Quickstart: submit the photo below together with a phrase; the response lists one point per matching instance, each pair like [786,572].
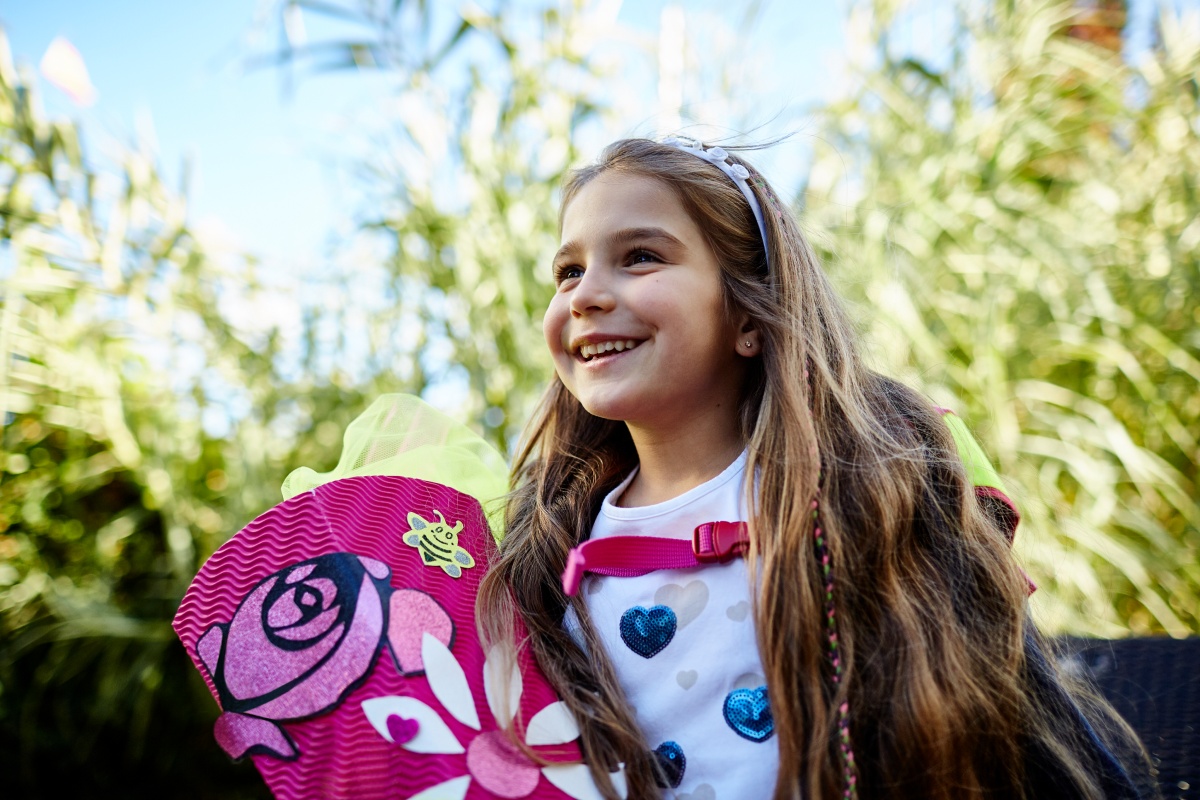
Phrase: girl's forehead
[623,200]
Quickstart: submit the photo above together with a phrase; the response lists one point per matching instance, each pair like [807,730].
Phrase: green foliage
[111,491]
[465,203]
[1019,220]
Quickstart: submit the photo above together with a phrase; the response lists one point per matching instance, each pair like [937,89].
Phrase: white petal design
[554,724]
[575,780]
[619,782]
[448,681]
[453,789]
[493,677]
[433,735]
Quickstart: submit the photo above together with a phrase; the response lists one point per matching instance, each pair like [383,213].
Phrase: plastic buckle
[718,542]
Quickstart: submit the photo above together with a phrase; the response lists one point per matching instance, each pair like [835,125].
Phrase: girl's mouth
[588,352]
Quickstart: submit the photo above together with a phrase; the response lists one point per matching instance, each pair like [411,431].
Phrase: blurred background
[226,227]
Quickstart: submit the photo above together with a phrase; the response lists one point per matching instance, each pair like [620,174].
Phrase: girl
[874,639]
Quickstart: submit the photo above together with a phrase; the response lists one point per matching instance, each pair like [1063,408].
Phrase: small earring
[749,344]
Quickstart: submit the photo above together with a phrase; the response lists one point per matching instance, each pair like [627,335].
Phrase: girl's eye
[567,272]
[642,257]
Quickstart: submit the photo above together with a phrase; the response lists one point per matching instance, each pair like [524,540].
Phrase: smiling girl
[710,402]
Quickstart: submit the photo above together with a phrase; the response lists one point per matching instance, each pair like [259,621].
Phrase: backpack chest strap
[630,556]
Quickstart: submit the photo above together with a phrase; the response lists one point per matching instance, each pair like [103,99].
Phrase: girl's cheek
[552,327]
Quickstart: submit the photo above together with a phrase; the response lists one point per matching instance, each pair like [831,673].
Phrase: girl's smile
[637,327]
[598,350]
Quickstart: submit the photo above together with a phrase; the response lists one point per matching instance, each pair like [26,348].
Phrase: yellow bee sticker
[438,544]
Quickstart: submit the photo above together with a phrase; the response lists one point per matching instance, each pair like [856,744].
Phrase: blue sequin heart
[748,712]
[647,632]
[673,763]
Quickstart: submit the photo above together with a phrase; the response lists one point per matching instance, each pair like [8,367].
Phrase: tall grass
[1018,217]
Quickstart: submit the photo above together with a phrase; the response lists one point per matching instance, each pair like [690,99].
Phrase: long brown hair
[930,604]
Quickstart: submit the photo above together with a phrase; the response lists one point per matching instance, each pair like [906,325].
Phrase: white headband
[736,172]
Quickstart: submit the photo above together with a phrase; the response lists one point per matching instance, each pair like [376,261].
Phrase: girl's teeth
[590,351]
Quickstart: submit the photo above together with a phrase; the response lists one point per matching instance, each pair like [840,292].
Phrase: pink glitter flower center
[500,767]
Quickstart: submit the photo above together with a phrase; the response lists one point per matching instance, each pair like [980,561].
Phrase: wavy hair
[930,603]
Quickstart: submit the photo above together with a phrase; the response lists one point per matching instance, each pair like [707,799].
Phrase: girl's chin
[605,411]
[615,408]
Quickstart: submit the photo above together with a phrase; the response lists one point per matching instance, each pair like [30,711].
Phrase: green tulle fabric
[979,470]
[402,435]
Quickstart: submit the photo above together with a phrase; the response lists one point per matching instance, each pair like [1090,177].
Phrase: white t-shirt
[683,645]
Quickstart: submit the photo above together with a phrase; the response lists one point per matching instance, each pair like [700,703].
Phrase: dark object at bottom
[1154,683]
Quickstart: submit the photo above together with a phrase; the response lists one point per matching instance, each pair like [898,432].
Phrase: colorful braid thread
[850,788]
[850,772]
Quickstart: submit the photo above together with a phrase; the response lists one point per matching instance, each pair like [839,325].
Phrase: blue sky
[176,68]
[268,167]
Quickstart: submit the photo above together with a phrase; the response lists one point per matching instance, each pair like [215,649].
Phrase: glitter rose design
[300,641]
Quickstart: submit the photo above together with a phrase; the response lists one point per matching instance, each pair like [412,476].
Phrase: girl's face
[637,326]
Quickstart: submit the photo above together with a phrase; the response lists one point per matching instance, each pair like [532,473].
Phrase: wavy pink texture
[340,754]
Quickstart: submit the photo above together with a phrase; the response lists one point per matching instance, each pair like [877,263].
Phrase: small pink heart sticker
[402,730]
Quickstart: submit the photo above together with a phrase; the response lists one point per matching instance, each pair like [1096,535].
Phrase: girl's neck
[670,465]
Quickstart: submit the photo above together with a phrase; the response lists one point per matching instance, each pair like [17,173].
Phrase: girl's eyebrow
[623,237]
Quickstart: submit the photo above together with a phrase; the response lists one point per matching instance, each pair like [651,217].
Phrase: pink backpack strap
[630,556]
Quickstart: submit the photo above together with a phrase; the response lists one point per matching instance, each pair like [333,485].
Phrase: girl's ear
[749,342]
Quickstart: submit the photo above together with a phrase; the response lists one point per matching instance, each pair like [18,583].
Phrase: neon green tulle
[402,435]
[979,470]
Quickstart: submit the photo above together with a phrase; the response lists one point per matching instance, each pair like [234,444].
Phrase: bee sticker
[438,544]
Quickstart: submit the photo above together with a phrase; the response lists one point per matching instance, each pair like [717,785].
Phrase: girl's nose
[593,293]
